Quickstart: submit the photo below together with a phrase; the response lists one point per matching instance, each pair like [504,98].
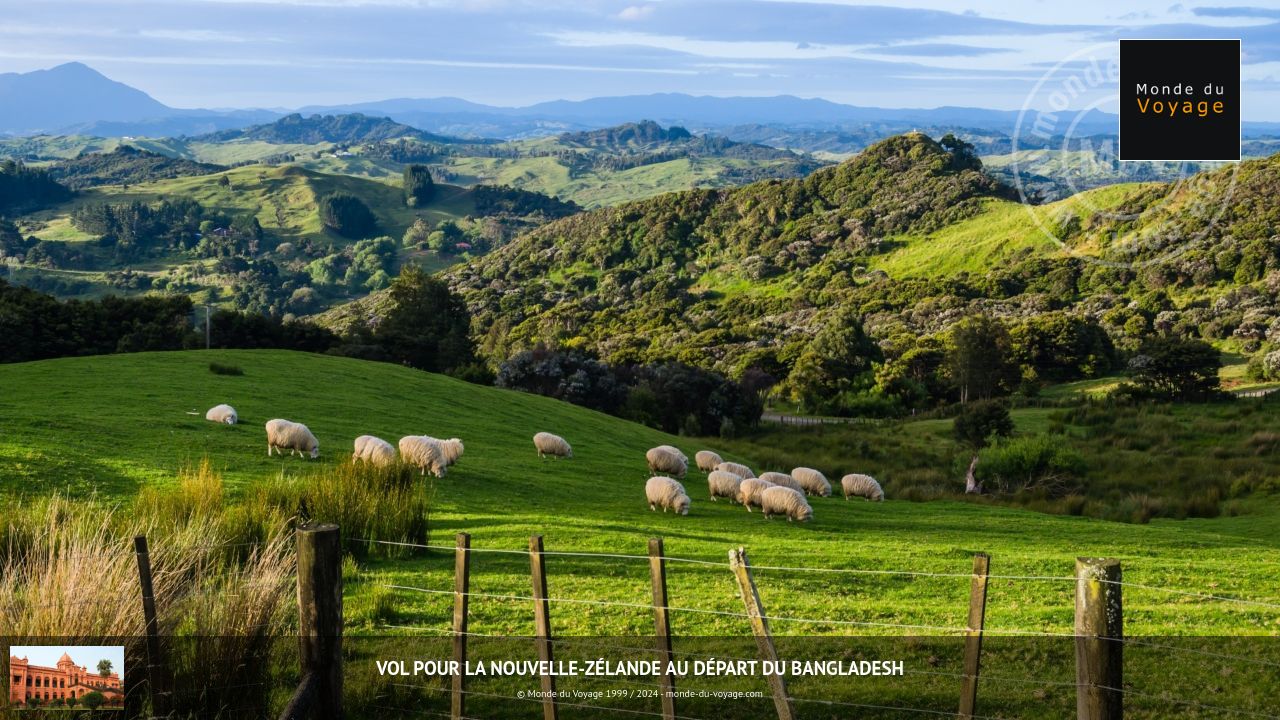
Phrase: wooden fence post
[973,636]
[760,627]
[320,618]
[542,626]
[1099,640]
[155,662]
[461,588]
[662,627]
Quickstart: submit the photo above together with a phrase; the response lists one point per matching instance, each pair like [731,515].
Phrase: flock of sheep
[775,493]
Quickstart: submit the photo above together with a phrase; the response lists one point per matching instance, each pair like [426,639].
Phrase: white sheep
[666,493]
[749,492]
[783,479]
[863,486]
[677,451]
[222,414]
[723,484]
[707,460]
[738,469]
[785,501]
[553,445]
[424,453]
[813,482]
[373,450]
[452,450]
[295,437]
[666,459]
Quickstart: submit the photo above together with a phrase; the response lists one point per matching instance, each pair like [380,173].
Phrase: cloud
[937,50]
[635,12]
[1238,11]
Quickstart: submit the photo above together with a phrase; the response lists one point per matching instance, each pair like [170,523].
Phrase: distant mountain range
[76,99]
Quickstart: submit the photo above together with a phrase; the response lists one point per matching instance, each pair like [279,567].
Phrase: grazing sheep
[295,437]
[668,494]
[677,451]
[424,453]
[723,484]
[666,459]
[707,460]
[738,469]
[552,445]
[785,501]
[749,492]
[222,414]
[813,482]
[452,450]
[373,450]
[863,486]
[783,479]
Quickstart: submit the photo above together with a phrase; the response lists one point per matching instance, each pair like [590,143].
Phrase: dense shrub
[347,215]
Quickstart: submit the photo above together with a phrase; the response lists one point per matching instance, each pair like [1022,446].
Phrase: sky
[900,53]
[85,655]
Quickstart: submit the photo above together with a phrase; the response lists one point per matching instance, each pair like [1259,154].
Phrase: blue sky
[908,53]
[85,655]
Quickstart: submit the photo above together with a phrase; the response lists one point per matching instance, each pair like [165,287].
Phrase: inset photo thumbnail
[66,676]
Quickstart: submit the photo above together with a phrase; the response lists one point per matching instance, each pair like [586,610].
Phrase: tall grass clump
[369,503]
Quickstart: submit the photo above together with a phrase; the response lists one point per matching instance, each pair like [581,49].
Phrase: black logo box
[1180,65]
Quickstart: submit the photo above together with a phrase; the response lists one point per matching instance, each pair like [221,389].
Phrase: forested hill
[902,242]
[349,128]
[127,165]
[620,270]
[650,139]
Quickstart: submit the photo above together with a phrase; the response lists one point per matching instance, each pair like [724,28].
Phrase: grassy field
[110,429]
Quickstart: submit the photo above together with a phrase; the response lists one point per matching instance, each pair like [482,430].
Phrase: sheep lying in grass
[707,460]
[723,484]
[785,501]
[222,414]
[424,453]
[295,437]
[738,469]
[665,493]
[749,491]
[813,482]
[863,486]
[783,479]
[552,445]
[666,459]
[373,450]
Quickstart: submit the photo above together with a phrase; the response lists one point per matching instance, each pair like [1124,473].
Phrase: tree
[974,427]
[980,358]
[427,326]
[104,667]
[347,215]
[1174,368]
[418,186]
[839,353]
[92,700]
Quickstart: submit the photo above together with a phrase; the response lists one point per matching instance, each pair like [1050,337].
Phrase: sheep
[552,445]
[707,460]
[783,479]
[749,491]
[738,469]
[863,486]
[452,450]
[373,450]
[295,437]
[723,484]
[813,482]
[676,451]
[666,493]
[222,414]
[663,459]
[424,453]
[785,501]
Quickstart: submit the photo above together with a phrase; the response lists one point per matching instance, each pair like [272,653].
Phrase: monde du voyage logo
[1179,100]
